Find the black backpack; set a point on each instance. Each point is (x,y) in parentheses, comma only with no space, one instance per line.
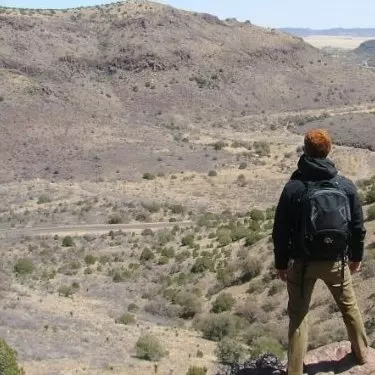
(324,226)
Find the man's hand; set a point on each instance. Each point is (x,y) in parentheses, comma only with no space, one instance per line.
(281,274)
(355,266)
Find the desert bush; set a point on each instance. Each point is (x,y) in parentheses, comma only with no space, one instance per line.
(212,173)
(43,199)
(371,213)
(190,304)
(125,319)
(267,344)
(146,255)
(202,264)
(68,290)
(23,267)
(177,209)
(229,351)
(224,236)
(262,148)
(8,360)
(149,348)
(90,259)
(251,267)
(133,307)
(68,241)
(161,307)
(224,302)
(152,207)
(257,215)
(252,238)
(251,311)
(239,232)
(188,240)
(225,275)
(194,370)
(115,219)
(370,195)
(243,165)
(368,270)
(147,232)
(216,326)
(148,176)
(219,145)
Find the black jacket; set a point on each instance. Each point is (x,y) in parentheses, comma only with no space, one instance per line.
(312,169)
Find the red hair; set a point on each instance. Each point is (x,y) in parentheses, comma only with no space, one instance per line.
(318,143)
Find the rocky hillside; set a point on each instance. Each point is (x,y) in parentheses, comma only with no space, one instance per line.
(82,91)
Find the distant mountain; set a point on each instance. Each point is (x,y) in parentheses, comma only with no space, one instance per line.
(356,32)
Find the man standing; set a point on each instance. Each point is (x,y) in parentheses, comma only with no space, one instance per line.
(319,234)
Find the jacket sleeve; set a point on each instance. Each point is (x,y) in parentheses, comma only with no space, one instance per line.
(281,231)
(358,231)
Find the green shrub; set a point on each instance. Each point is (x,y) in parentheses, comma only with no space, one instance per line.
(115,219)
(177,209)
(257,215)
(90,259)
(24,267)
(43,199)
(188,240)
(267,344)
(148,232)
(239,232)
(8,360)
(149,348)
(370,195)
(194,370)
(148,176)
(216,326)
(229,351)
(224,236)
(190,304)
(220,145)
(252,312)
(224,302)
(202,264)
(133,307)
(251,267)
(68,290)
(252,238)
(152,207)
(371,213)
(68,241)
(125,319)
(146,255)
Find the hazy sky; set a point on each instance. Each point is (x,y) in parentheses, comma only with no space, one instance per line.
(273,13)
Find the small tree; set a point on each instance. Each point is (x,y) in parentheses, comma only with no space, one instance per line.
(149,348)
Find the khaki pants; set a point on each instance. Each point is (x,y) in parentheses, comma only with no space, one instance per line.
(298,306)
